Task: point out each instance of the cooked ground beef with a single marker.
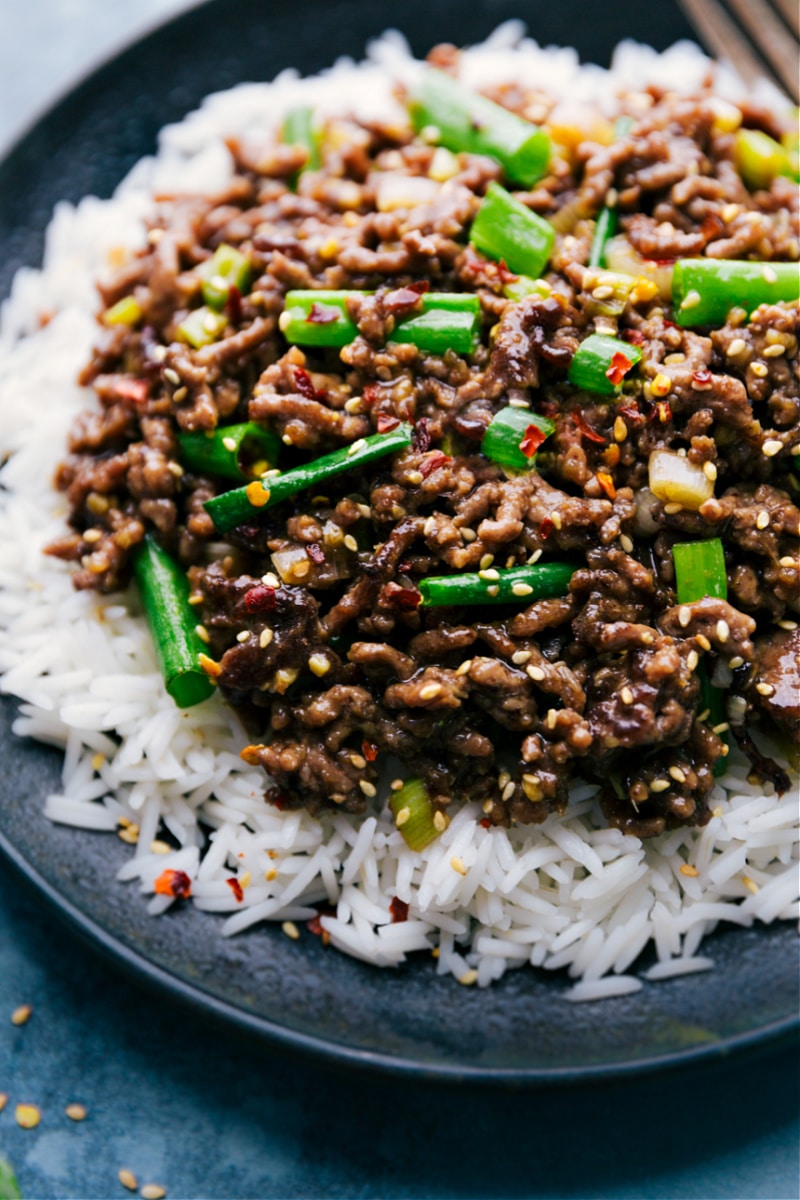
(311, 610)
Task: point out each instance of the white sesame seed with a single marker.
(774, 351)
(673, 509)
(368, 788)
(536, 673)
(486, 562)
(356, 446)
(555, 517)
(358, 761)
(270, 580)
(464, 668)
(508, 791)
(710, 470)
(787, 625)
(319, 665)
(771, 447)
(493, 589)
(350, 542)
(491, 574)
(458, 865)
(762, 520)
(402, 815)
(626, 695)
(243, 635)
(684, 616)
(759, 369)
(430, 691)
(659, 785)
(723, 727)
(765, 689)
(626, 542)
(172, 376)
(520, 656)
(537, 554)
(551, 718)
(521, 589)
(691, 299)
(692, 659)
(469, 977)
(440, 821)
(229, 443)
(736, 662)
(723, 631)
(265, 637)
(769, 274)
(736, 347)
(291, 930)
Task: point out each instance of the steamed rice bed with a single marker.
(566, 893)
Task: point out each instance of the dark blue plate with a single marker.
(299, 993)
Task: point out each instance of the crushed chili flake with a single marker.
(371, 393)
(620, 365)
(404, 299)
(421, 439)
(315, 553)
(233, 304)
(634, 336)
(532, 439)
(702, 379)
(260, 599)
(385, 422)
(664, 411)
(173, 883)
(630, 411)
(314, 924)
(582, 424)
(432, 462)
(369, 750)
(407, 598)
(546, 528)
(323, 314)
(277, 798)
(305, 385)
(135, 390)
(606, 483)
(485, 823)
(475, 264)
(399, 910)
(236, 888)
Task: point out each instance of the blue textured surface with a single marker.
(186, 1105)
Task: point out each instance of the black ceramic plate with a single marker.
(299, 993)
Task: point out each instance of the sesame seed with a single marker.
(350, 542)
(602, 292)
(787, 625)
(172, 376)
(521, 589)
(464, 667)
(265, 637)
(517, 402)
(202, 633)
(469, 977)
(723, 727)
(502, 779)
(358, 761)
(555, 517)
(27, 1116)
(469, 535)
(291, 930)
(536, 673)
(367, 788)
(691, 300)
(440, 821)
(787, 561)
(659, 785)
(402, 815)
(677, 774)
(690, 871)
(76, 1112)
(692, 659)
(430, 691)
(486, 562)
(612, 198)
(626, 695)
(551, 718)
(759, 369)
(537, 554)
(684, 616)
(771, 447)
(98, 761)
(270, 875)
(769, 274)
(626, 542)
(92, 535)
(765, 689)
(153, 1191)
(520, 656)
(128, 1179)
(750, 884)
(229, 443)
(723, 631)
(487, 806)
(508, 791)
(673, 509)
(737, 347)
(774, 351)
(710, 470)
(647, 638)
(491, 574)
(620, 430)
(458, 865)
(493, 589)
(762, 520)
(353, 405)
(159, 847)
(129, 834)
(429, 528)
(21, 1015)
(703, 642)
(243, 635)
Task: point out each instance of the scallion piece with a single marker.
(127, 311)
(445, 320)
(9, 1188)
(760, 158)
(230, 452)
(414, 814)
(601, 363)
(531, 581)
(201, 327)
(507, 231)
(298, 130)
(226, 268)
(704, 290)
(164, 589)
(242, 504)
(700, 570)
(462, 120)
(513, 436)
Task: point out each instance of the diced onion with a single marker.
(621, 256)
(676, 480)
(394, 190)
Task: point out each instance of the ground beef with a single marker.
(310, 612)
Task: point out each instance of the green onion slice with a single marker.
(529, 582)
(230, 451)
(513, 437)
(601, 363)
(414, 814)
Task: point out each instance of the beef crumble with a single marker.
(311, 611)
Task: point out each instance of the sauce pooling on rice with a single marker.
(472, 445)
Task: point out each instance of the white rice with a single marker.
(566, 895)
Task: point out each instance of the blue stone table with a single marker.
(197, 1110)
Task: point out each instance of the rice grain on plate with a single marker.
(566, 893)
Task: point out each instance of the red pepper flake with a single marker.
(233, 305)
(620, 365)
(135, 390)
(399, 910)
(634, 336)
(422, 436)
(323, 314)
(385, 421)
(712, 227)
(369, 750)
(664, 411)
(305, 385)
(532, 439)
(670, 324)
(485, 823)
(236, 888)
(579, 420)
(432, 462)
(314, 924)
(173, 883)
(630, 411)
(278, 798)
(405, 598)
(607, 484)
(702, 379)
(371, 393)
(260, 599)
(315, 553)
(546, 528)
(405, 299)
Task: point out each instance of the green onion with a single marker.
(462, 120)
(531, 581)
(127, 311)
(700, 570)
(201, 327)
(507, 231)
(760, 158)
(517, 289)
(164, 589)
(298, 130)
(242, 504)
(601, 363)
(513, 437)
(226, 268)
(607, 219)
(446, 320)
(414, 814)
(704, 290)
(221, 451)
(9, 1188)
